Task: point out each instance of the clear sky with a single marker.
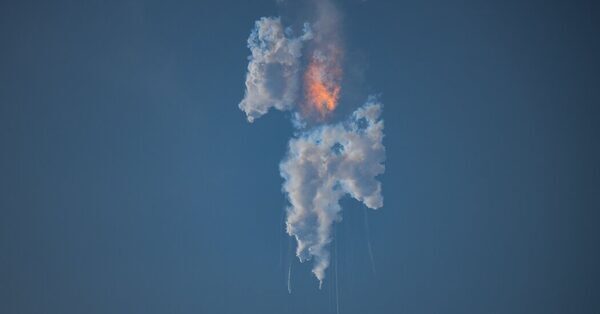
(130, 181)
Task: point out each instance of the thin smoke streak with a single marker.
(281, 254)
(329, 296)
(289, 282)
(368, 234)
(337, 292)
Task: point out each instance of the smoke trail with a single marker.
(330, 296)
(337, 291)
(368, 236)
(281, 253)
(289, 281)
(291, 261)
(324, 161)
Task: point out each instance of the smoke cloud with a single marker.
(323, 165)
(273, 79)
(325, 161)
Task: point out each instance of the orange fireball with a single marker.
(322, 85)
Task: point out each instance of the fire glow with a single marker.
(322, 86)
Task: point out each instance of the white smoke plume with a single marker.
(322, 166)
(273, 78)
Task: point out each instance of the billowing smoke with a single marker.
(301, 71)
(323, 165)
(273, 70)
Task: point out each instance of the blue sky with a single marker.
(130, 182)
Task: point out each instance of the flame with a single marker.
(322, 85)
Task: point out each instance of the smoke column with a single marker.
(300, 70)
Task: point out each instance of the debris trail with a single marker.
(368, 235)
